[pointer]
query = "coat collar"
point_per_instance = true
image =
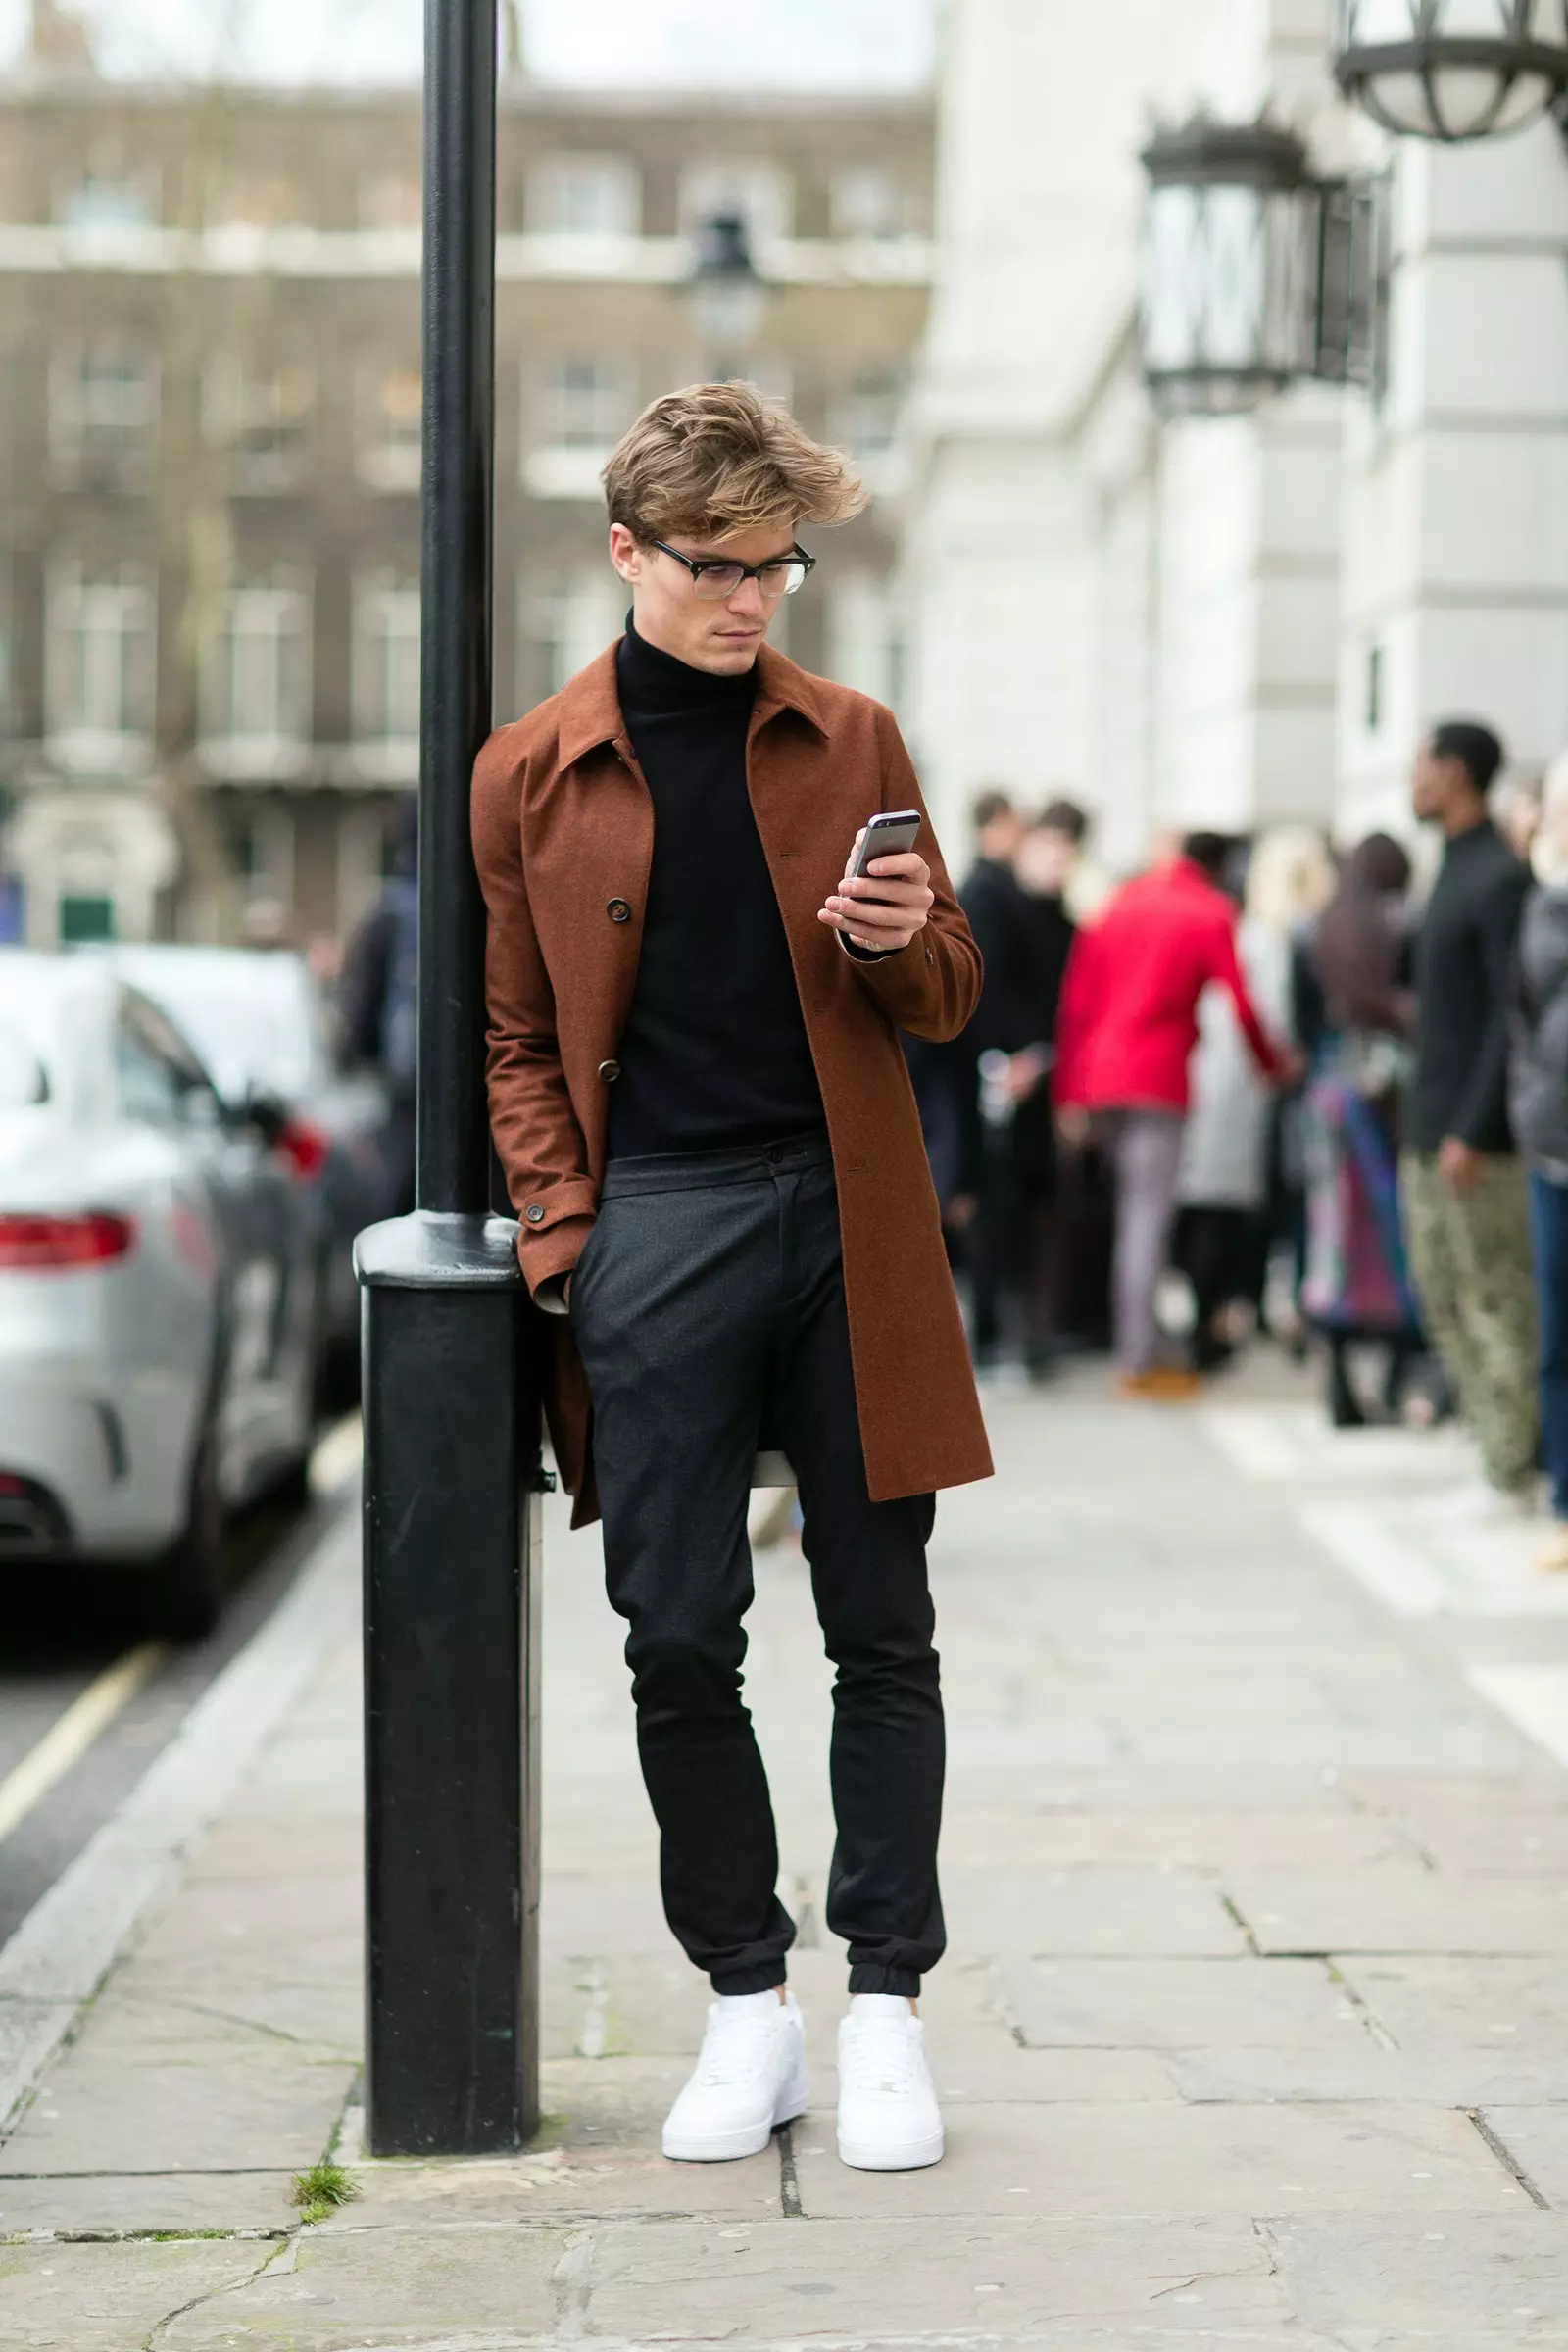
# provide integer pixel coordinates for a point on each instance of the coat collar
(591, 714)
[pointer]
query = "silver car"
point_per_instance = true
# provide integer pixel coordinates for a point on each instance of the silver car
(257, 1019)
(158, 1272)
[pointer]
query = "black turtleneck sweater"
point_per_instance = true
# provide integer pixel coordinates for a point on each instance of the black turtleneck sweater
(715, 1051)
(1464, 963)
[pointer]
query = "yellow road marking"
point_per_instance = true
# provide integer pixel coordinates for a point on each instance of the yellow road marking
(71, 1733)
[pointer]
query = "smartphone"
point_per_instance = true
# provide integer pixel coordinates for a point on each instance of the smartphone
(887, 836)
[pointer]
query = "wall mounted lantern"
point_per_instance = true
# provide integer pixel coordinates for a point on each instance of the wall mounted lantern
(1452, 70)
(726, 293)
(1255, 275)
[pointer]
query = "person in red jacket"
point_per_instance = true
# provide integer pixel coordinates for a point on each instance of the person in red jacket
(1125, 1034)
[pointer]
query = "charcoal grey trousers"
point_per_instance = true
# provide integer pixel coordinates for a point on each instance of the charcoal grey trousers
(709, 1307)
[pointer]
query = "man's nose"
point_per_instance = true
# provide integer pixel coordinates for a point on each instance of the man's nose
(748, 602)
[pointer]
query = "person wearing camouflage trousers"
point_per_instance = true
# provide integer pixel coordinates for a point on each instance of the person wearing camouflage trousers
(1466, 1200)
(1470, 1255)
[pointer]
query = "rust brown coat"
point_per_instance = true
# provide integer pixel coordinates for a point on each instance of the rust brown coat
(564, 835)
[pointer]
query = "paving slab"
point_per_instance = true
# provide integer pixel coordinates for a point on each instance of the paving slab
(342, 2291)
(1114, 1912)
(1326, 1837)
(1432, 2002)
(621, 2005)
(1461, 2285)
(331, 1848)
(1366, 2069)
(1177, 2004)
(1537, 2137)
(130, 2203)
(1170, 2160)
(110, 2298)
(1401, 1911)
(109, 2112)
(872, 2281)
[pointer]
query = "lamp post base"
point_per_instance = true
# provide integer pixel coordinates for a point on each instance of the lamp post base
(452, 1479)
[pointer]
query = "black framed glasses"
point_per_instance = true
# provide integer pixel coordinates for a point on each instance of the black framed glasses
(716, 580)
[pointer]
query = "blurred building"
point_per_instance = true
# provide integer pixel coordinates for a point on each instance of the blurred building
(1226, 621)
(210, 444)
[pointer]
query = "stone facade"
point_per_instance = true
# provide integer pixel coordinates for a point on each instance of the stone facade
(209, 463)
(1239, 621)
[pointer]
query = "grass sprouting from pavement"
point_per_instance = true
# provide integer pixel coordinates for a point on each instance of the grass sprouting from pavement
(322, 2190)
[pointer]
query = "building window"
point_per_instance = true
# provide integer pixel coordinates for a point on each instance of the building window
(386, 670)
(869, 201)
(391, 413)
(583, 196)
(99, 667)
(103, 417)
(256, 680)
(263, 419)
(585, 404)
(572, 622)
(106, 200)
(868, 412)
(759, 192)
(578, 410)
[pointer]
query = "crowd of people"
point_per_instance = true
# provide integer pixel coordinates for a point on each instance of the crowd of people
(1259, 1089)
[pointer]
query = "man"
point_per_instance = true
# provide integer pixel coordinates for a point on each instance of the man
(377, 1000)
(1004, 1062)
(1464, 1185)
(1125, 1037)
(699, 1098)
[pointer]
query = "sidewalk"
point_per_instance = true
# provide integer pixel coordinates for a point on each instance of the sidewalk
(1253, 2032)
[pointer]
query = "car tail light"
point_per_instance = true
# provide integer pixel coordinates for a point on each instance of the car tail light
(32, 1245)
(304, 1146)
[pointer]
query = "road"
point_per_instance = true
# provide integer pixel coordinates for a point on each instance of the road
(87, 1702)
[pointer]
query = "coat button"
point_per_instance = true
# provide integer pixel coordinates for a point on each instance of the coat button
(619, 911)
(609, 1072)
(534, 1214)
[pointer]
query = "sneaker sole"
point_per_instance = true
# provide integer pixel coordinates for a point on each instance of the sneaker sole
(730, 2148)
(911, 2159)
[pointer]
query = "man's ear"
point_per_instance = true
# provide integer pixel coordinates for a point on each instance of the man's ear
(624, 553)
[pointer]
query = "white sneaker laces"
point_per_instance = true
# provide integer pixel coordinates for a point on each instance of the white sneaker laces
(880, 2056)
(734, 2050)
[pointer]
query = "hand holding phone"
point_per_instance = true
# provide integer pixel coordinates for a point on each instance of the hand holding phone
(885, 896)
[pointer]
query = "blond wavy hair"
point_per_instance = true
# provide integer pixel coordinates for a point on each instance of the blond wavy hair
(716, 460)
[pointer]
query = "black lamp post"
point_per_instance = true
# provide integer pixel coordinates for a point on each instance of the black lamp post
(1452, 70)
(451, 1386)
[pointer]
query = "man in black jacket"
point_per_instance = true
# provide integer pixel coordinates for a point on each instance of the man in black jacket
(1009, 1025)
(1464, 1184)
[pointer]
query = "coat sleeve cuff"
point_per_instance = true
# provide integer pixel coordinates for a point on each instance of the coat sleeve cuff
(547, 1256)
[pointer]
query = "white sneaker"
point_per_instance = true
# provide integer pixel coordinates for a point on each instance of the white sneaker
(748, 2079)
(889, 2120)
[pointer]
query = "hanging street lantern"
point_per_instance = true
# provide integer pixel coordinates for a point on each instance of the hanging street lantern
(1228, 262)
(1452, 70)
(725, 292)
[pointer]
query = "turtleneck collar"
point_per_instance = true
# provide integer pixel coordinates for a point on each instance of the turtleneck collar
(655, 681)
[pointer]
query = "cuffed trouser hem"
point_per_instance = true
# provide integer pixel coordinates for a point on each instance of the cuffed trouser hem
(870, 1975)
(764, 1976)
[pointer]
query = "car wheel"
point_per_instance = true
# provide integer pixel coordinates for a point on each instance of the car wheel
(191, 1582)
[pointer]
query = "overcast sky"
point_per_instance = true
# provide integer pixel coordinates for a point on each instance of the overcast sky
(802, 43)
